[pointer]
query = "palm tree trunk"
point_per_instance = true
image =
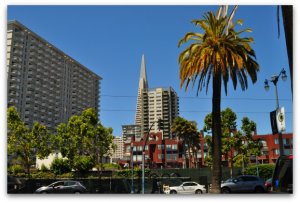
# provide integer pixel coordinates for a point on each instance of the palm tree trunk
(216, 134)
(287, 15)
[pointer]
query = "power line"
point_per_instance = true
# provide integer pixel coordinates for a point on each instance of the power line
(202, 98)
(192, 111)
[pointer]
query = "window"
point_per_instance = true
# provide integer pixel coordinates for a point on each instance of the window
(160, 147)
(168, 147)
(264, 143)
(287, 151)
(276, 141)
(276, 151)
(139, 157)
(161, 156)
(171, 157)
(174, 146)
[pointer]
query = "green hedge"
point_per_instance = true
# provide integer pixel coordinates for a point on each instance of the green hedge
(127, 173)
(265, 170)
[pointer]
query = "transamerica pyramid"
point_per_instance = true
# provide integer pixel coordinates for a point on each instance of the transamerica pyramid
(143, 84)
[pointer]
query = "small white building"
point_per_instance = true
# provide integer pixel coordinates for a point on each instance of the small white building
(47, 162)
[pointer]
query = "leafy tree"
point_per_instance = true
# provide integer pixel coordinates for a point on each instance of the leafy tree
(25, 143)
(246, 146)
(187, 131)
(102, 145)
(219, 53)
(240, 142)
(81, 137)
(228, 126)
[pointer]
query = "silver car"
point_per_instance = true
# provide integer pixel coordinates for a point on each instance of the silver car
(243, 184)
(68, 186)
(186, 188)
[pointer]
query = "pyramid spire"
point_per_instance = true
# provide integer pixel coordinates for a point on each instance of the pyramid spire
(143, 75)
(143, 84)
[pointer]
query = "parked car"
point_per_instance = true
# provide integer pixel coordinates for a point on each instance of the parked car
(268, 184)
(186, 188)
(243, 184)
(67, 186)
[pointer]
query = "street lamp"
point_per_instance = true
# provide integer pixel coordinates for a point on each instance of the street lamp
(132, 169)
(274, 80)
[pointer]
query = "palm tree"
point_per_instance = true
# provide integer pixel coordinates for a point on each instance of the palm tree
(220, 52)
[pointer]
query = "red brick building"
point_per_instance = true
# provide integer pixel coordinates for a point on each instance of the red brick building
(270, 149)
(159, 152)
(169, 153)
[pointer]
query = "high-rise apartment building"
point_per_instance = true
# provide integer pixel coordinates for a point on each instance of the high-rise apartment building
(130, 132)
(153, 104)
(160, 103)
(44, 83)
(118, 153)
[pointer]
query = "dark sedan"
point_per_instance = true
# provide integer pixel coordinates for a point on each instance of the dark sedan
(67, 186)
(244, 183)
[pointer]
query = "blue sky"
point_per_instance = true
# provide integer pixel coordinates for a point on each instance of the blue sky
(110, 40)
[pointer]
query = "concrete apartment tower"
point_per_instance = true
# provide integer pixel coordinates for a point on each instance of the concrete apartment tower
(160, 103)
(153, 104)
(44, 83)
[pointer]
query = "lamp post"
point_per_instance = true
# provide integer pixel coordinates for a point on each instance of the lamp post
(274, 80)
(132, 169)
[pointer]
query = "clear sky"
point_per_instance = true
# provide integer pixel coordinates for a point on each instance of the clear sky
(110, 41)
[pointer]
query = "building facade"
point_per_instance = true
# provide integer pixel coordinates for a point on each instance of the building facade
(159, 103)
(44, 83)
(118, 153)
(270, 146)
(159, 152)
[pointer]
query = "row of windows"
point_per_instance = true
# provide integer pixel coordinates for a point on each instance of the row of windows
(285, 141)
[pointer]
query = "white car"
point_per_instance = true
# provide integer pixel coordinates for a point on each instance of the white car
(186, 188)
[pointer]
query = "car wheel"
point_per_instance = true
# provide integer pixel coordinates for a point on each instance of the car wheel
(225, 190)
(198, 192)
(259, 190)
(173, 192)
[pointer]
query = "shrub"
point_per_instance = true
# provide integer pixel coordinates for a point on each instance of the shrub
(111, 166)
(43, 175)
(124, 173)
(44, 168)
(15, 169)
(60, 166)
(83, 164)
(65, 175)
(265, 170)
